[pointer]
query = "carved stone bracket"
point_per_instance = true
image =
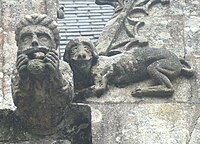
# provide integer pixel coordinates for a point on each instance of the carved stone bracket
(122, 30)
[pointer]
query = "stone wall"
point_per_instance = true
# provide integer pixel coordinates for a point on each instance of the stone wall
(11, 12)
(119, 118)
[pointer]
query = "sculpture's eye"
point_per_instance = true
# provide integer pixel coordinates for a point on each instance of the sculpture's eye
(74, 49)
(26, 38)
(86, 47)
(43, 37)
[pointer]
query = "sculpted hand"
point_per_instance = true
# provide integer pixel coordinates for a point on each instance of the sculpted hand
(52, 61)
(21, 64)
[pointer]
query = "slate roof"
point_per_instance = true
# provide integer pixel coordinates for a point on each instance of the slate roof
(82, 18)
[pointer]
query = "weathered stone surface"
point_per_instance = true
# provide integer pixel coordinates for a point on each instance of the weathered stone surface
(185, 91)
(42, 142)
(1, 63)
(144, 123)
(192, 7)
(13, 11)
(192, 35)
(122, 28)
(165, 32)
(196, 90)
(195, 133)
(176, 7)
(9, 56)
(7, 102)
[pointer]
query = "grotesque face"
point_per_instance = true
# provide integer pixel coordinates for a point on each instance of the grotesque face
(35, 43)
(36, 36)
(81, 56)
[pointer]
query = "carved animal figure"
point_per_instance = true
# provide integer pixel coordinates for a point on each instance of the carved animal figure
(92, 74)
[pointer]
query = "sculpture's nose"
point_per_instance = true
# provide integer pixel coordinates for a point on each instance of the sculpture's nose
(34, 41)
(82, 54)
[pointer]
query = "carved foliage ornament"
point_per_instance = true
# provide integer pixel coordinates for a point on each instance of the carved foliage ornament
(126, 22)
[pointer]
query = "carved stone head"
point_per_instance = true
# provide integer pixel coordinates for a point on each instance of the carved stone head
(37, 30)
(80, 53)
(36, 36)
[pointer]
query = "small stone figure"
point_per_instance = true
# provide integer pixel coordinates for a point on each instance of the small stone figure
(60, 13)
(43, 89)
(92, 74)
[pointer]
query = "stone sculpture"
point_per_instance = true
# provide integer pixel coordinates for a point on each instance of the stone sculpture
(123, 28)
(43, 90)
(92, 74)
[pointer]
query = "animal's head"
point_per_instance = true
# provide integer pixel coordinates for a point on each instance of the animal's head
(81, 54)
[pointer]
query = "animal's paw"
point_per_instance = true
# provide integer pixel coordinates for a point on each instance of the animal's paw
(165, 1)
(153, 91)
(137, 93)
(99, 91)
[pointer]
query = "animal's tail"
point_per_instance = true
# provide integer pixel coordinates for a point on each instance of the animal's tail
(186, 70)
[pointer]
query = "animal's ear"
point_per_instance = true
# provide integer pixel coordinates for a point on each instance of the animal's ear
(66, 56)
(94, 53)
(94, 50)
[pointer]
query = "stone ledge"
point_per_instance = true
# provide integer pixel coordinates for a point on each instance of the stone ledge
(164, 123)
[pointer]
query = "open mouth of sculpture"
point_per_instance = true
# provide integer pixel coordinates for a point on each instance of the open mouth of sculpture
(35, 52)
(82, 63)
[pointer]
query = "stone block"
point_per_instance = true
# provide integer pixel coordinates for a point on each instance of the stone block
(165, 32)
(7, 102)
(192, 35)
(175, 7)
(13, 11)
(186, 91)
(1, 49)
(195, 134)
(1, 97)
(192, 7)
(144, 123)
(9, 52)
(197, 84)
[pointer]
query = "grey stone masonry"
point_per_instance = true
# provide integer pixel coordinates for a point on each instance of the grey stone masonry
(82, 18)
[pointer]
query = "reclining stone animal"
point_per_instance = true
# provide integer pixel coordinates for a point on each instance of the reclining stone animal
(93, 73)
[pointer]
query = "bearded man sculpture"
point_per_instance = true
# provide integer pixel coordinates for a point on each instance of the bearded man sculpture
(43, 88)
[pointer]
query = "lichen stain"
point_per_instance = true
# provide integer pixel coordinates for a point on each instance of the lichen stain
(169, 112)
